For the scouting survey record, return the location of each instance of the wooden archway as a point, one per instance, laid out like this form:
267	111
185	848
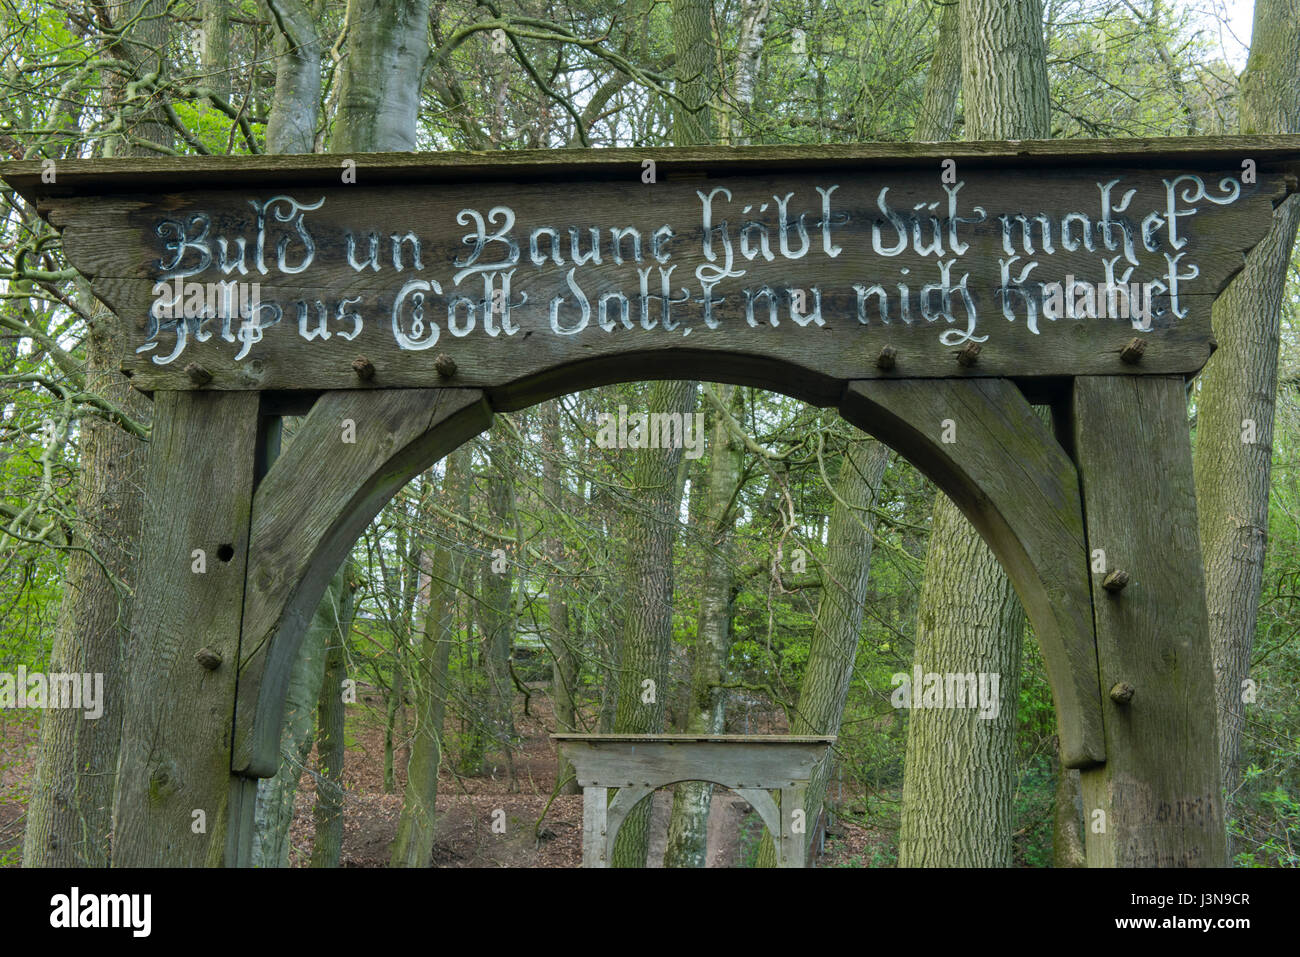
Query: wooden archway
1107	489
752	766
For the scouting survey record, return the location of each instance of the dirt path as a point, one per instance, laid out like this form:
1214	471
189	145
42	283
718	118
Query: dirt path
466	806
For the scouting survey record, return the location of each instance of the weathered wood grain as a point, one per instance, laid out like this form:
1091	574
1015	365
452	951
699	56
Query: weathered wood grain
744	761
120	237
1014	482
750	765
175	757
596	848
162	173
308	511
1159	789
793	834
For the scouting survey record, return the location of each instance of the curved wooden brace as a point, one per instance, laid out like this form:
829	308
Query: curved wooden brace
1014	482
313	504
628	798
761	801
1005	471
619	809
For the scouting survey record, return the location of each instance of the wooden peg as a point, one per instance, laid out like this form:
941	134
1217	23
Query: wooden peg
969	355
887	359
364	368
198	375
1133	351
1122	692
1115	581
208	658
445	365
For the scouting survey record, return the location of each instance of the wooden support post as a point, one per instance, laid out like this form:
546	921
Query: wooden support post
794	827
1156	801
174	783
595	848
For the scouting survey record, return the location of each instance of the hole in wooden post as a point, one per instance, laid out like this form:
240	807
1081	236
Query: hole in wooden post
225	552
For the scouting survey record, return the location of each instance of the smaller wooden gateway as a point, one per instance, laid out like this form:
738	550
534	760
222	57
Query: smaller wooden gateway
638	764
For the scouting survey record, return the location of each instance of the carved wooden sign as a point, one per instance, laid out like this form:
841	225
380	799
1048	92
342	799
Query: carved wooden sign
1021	260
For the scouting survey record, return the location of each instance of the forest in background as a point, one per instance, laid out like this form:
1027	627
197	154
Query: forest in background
776	581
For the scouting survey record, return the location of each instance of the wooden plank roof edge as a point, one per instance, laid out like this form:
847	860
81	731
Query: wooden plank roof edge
123	175
695	738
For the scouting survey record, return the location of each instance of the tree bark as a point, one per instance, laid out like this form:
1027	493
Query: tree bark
496	618
943	83
960	768
413	846
754	16
295	111
970	619
693	44
275	795
328	815
1234	412
379	93
829	670
648	617
564	660
69	817
1004	70
707	708
215	51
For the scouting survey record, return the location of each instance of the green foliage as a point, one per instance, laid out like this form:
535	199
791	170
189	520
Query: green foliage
1034	802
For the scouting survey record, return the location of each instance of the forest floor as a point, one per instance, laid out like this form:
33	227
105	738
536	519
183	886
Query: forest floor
535	835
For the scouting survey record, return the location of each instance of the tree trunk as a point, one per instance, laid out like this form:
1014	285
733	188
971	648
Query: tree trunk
707	709
215	49
328	815
1004	60
943	83
693	43
379	93
69	817
970	618
391	711
754	15
564	661
647	630
960	768
1234	413
275	795
1067	813
295	111
496	617
829	670
413	846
